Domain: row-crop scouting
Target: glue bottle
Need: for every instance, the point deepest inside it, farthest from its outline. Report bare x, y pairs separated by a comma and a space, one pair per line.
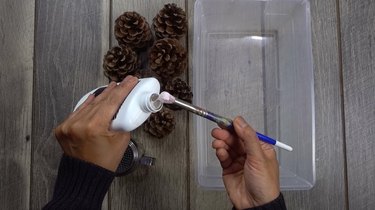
137, 107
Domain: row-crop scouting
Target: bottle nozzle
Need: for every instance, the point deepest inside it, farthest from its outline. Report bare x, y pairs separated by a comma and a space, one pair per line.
152, 104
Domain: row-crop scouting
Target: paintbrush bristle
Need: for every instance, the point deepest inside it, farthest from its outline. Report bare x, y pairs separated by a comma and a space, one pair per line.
166, 98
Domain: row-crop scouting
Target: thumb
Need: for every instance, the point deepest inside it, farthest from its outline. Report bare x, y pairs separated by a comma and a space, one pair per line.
248, 137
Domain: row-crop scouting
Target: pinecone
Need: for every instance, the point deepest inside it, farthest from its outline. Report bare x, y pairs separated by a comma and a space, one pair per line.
167, 58
144, 73
179, 89
170, 22
132, 29
161, 123
120, 62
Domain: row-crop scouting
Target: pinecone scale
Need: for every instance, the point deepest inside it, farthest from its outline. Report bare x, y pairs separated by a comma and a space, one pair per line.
179, 89
170, 22
120, 62
161, 123
168, 58
132, 29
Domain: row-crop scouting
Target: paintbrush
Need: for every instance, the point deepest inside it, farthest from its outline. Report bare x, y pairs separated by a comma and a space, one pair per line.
221, 121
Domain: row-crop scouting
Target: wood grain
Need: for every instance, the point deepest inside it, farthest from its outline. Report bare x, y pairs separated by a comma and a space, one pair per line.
164, 185
330, 186
16, 77
69, 47
358, 57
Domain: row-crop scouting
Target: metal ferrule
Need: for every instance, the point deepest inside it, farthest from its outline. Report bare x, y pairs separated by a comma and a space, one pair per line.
191, 108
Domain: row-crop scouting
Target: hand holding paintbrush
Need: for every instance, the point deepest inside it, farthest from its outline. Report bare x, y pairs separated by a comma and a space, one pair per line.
250, 171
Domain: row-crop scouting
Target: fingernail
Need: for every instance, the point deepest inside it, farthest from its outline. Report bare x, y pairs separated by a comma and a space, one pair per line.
129, 79
241, 122
125, 80
112, 84
133, 79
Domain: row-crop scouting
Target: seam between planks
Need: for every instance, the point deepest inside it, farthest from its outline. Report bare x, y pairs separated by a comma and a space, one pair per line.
187, 157
33, 102
342, 100
109, 197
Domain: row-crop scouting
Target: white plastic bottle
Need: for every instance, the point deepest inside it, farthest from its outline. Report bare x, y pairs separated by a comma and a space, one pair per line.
137, 107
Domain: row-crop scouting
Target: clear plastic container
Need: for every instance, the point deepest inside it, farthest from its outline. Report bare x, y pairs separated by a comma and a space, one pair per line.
254, 58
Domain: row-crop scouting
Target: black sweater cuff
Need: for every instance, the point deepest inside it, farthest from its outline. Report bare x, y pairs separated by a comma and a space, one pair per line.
80, 185
277, 204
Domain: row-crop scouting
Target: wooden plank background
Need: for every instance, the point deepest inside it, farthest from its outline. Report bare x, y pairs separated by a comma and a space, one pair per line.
358, 57
67, 63
44, 73
16, 87
329, 189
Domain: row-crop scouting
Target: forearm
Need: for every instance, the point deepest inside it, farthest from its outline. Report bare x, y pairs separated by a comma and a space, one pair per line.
80, 185
277, 204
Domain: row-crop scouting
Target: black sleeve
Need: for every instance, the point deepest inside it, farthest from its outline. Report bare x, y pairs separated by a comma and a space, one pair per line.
80, 185
277, 204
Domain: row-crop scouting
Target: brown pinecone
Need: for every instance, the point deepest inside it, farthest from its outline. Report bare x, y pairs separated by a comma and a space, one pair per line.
170, 22
179, 89
161, 123
120, 62
145, 73
167, 58
132, 29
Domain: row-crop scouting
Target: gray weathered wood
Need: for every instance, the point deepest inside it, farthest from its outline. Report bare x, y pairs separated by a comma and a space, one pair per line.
71, 37
16, 77
329, 190
163, 186
358, 57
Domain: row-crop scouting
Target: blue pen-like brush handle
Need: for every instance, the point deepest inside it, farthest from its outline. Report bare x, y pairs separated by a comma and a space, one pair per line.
227, 124
266, 138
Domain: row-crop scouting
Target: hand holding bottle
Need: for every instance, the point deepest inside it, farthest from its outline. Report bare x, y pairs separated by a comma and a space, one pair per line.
86, 133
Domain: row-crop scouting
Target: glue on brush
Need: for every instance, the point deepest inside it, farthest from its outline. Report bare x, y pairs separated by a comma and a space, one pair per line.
222, 122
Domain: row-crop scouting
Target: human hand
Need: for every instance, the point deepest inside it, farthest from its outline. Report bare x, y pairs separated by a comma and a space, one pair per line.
250, 167
86, 133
